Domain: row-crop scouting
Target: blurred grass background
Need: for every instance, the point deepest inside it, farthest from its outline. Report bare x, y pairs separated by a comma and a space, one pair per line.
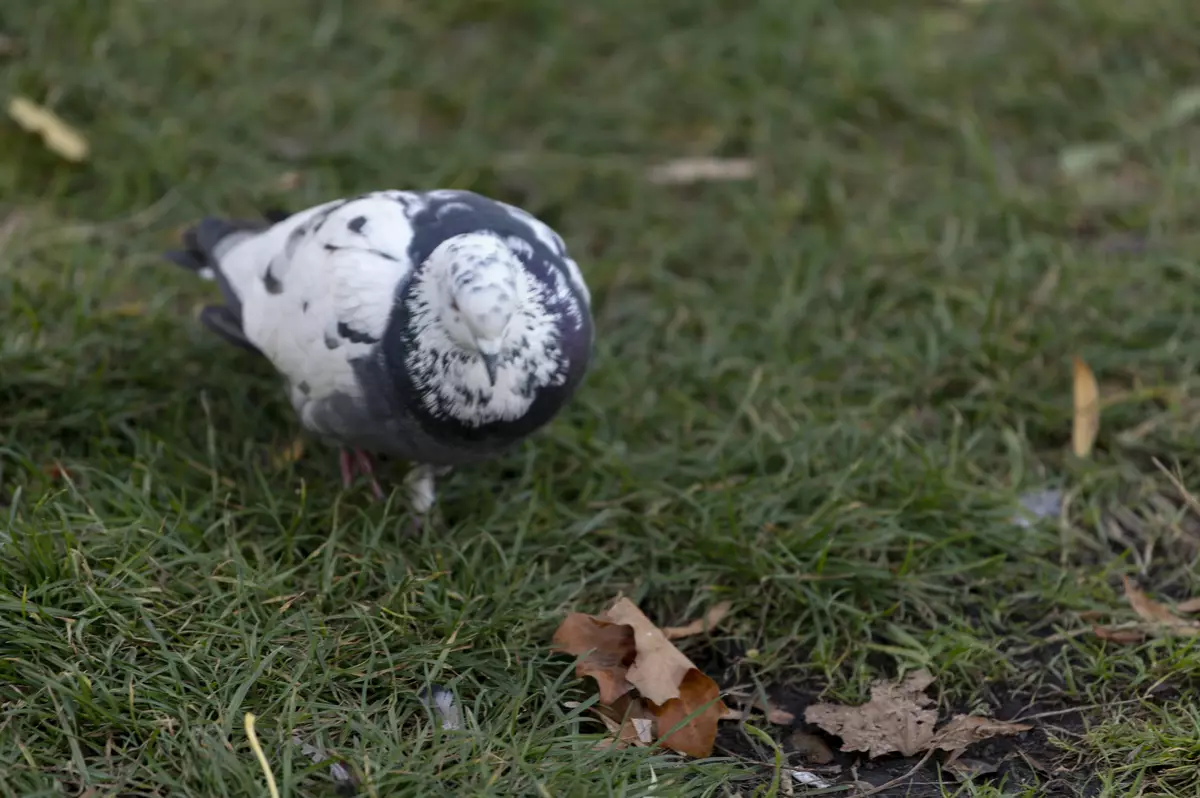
820, 391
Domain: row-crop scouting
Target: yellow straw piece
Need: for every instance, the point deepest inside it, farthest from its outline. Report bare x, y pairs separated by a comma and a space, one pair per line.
262, 758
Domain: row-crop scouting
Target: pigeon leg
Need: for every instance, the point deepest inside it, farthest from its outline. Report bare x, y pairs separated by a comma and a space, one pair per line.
347, 468
421, 483
367, 469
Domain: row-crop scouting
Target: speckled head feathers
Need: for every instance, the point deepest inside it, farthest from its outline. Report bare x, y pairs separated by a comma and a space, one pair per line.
485, 337
478, 275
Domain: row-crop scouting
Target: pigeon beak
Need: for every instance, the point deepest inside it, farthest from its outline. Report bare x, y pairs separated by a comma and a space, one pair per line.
492, 364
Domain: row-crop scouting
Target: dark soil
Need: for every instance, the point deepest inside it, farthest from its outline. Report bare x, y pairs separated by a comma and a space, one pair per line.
1029, 759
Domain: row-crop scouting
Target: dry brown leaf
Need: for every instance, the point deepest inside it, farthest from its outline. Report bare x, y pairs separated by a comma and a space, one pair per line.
898, 719
1123, 636
696, 735
631, 652
811, 747
714, 616
1087, 410
756, 700
628, 721
612, 651
1150, 610
59, 137
681, 171
1189, 606
966, 769
775, 715
672, 685
895, 719
659, 667
962, 730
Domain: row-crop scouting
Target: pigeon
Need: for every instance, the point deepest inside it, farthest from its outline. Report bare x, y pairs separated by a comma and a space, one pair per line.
439, 327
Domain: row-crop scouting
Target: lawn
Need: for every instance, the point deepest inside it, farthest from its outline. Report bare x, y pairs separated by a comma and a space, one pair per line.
820, 393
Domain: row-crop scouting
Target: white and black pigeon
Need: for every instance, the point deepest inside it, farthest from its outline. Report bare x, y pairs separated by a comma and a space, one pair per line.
439, 327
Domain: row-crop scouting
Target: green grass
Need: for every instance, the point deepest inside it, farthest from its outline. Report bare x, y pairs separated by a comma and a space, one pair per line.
818, 393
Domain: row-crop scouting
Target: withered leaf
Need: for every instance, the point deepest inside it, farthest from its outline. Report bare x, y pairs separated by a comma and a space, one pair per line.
714, 616
965, 769
659, 667
697, 733
611, 647
962, 730
1087, 409
780, 717
628, 721
1150, 610
811, 747
631, 652
1124, 636
896, 718
1189, 606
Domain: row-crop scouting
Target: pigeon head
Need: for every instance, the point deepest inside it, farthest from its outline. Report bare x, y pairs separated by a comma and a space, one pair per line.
485, 334
479, 278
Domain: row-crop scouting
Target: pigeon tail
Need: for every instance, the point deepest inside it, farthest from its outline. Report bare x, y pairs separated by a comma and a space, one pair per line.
203, 245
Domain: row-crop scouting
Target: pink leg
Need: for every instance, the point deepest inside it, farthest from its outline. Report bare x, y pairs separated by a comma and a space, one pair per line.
367, 469
347, 467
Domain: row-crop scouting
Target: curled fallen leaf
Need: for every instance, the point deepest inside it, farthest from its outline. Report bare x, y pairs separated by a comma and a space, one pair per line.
627, 651
609, 649
716, 613
1158, 614
59, 137
688, 724
1087, 409
659, 668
